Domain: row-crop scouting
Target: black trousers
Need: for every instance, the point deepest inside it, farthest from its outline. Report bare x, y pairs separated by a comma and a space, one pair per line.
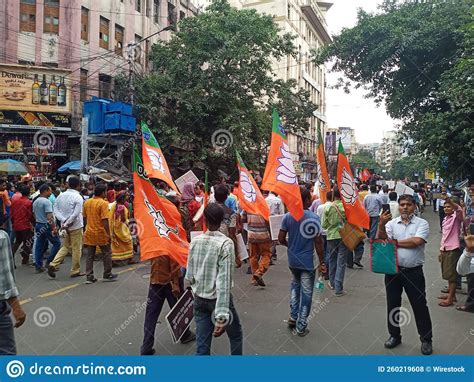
412, 281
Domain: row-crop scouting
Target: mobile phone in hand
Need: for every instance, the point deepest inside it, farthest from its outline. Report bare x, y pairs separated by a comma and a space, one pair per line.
471, 229
385, 208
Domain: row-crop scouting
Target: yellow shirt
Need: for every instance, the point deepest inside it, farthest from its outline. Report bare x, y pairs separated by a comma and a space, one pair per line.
362, 195
96, 210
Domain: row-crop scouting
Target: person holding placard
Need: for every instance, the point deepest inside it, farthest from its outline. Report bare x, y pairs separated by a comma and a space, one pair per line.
411, 233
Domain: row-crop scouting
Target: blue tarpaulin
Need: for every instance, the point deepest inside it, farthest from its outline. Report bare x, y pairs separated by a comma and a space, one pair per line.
70, 166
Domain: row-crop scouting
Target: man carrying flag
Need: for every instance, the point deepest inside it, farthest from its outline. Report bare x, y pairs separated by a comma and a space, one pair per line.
153, 159
324, 184
257, 214
280, 176
160, 231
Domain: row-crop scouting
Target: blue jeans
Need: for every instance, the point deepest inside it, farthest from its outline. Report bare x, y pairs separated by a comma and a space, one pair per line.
43, 235
7, 338
338, 254
301, 296
374, 223
204, 317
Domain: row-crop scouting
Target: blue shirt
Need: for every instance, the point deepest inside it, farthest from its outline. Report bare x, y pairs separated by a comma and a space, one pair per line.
373, 204
41, 208
301, 235
231, 203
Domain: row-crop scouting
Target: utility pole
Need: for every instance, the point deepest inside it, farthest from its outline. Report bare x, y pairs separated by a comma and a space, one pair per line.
84, 145
131, 57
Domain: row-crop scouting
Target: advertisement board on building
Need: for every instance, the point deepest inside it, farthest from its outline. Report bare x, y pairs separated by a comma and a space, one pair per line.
35, 96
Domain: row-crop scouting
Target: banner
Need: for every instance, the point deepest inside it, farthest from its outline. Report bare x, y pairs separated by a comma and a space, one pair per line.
34, 119
36, 89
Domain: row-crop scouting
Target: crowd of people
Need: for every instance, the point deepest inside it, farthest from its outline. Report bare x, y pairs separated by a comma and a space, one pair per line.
46, 222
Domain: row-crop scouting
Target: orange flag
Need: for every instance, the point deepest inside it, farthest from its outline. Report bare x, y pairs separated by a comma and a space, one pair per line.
324, 184
365, 175
250, 198
153, 158
280, 176
159, 222
355, 211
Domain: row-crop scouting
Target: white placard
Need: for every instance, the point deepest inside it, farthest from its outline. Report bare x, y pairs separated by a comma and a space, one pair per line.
402, 189
241, 248
275, 225
390, 184
194, 234
188, 177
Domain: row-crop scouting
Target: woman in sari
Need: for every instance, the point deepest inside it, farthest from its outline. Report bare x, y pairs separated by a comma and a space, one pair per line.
190, 208
120, 236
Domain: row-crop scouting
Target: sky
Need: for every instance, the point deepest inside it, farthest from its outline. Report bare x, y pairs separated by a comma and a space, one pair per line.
353, 110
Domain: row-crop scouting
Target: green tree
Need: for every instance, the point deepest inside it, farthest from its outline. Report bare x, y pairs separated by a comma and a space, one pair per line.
416, 56
407, 167
215, 74
365, 159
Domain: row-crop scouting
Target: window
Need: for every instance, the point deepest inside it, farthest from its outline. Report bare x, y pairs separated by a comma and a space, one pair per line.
84, 24
105, 83
26, 62
28, 16
138, 5
119, 33
156, 11
182, 15
104, 33
50, 64
171, 13
83, 85
138, 38
51, 16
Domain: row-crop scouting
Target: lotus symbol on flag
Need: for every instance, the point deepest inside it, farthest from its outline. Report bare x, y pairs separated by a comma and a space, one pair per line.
286, 171
156, 160
160, 223
348, 191
247, 187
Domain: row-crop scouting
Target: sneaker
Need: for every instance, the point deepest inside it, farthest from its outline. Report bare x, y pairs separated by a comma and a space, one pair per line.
110, 277
358, 264
40, 270
91, 280
426, 348
51, 272
301, 334
340, 294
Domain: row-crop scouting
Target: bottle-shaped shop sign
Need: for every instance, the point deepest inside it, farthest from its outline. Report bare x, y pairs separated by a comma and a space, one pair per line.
62, 92
35, 92
44, 92
53, 91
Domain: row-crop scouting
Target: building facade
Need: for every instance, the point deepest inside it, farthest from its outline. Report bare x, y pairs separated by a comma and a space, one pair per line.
389, 151
306, 20
87, 38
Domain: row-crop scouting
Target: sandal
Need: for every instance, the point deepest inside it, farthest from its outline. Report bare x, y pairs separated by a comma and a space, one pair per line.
445, 304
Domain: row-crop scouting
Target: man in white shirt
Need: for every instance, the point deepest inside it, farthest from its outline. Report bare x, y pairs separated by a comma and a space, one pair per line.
465, 267
276, 208
68, 210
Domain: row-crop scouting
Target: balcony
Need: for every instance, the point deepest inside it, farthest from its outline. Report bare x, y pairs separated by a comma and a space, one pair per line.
316, 19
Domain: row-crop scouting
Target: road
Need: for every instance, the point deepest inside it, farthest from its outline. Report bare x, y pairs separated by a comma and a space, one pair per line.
67, 317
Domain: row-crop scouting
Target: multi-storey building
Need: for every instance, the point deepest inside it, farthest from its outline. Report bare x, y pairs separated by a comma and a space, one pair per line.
83, 43
390, 150
306, 20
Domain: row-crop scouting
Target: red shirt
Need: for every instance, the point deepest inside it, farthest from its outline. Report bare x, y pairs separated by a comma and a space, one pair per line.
111, 196
21, 213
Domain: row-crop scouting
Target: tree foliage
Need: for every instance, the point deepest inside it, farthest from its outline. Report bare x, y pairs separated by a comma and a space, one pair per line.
365, 159
417, 56
216, 73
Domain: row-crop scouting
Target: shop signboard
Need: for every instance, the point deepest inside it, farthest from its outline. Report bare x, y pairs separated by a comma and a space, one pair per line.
35, 96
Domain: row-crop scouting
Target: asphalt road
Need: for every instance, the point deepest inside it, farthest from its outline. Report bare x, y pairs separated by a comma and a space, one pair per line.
68, 317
